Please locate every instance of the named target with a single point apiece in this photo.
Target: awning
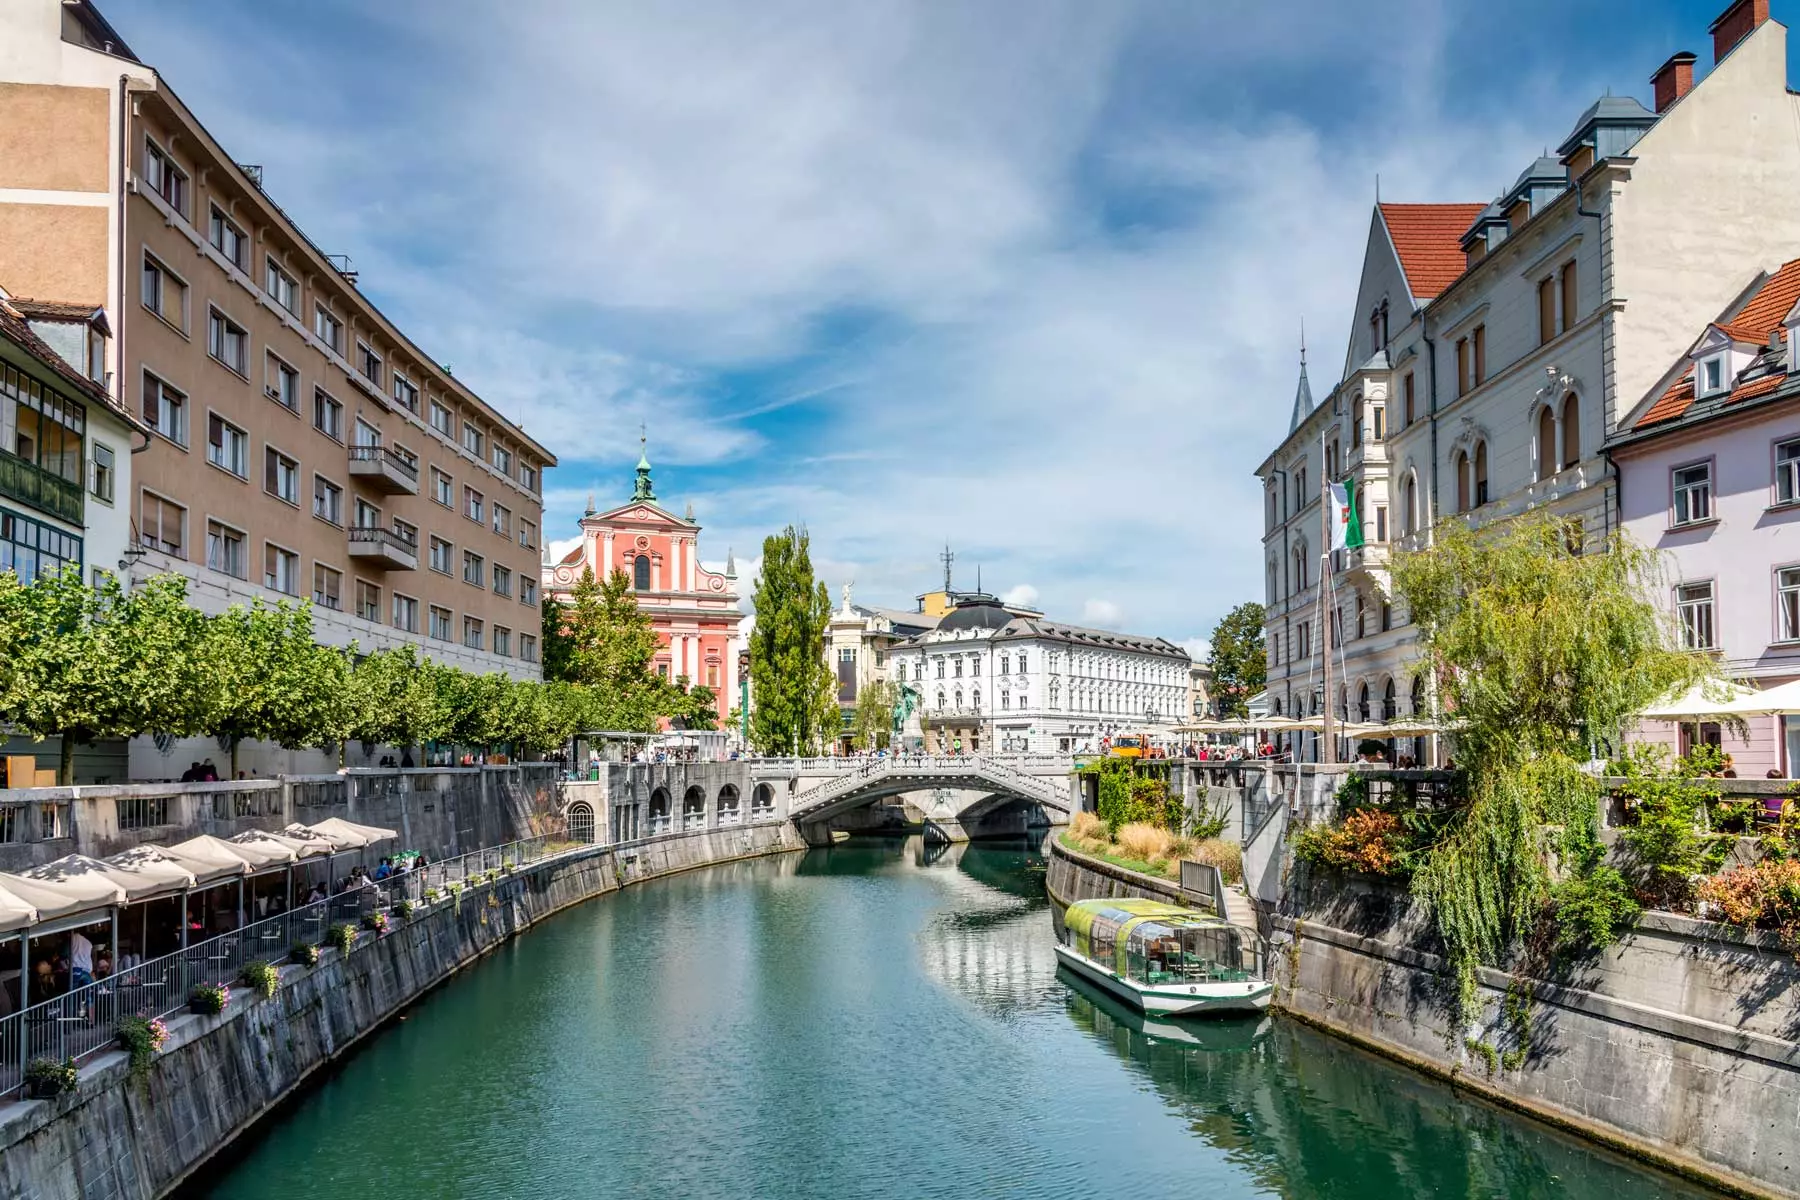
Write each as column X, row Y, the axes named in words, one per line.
column 71, row 884
column 208, row 859
column 15, row 911
column 299, row 847
column 261, row 854
column 145, row 873
column 349, row 834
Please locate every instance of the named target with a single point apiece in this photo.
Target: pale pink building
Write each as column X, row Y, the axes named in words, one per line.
column 1709, row 473
column 695, row 610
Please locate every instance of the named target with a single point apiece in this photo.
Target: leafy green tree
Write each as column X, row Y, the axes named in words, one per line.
column 1240, row 664
column 696, row 707
column 607, row 643
column 873, row 725
column 1539, row 654
column 99, row 662
column 270, row 681
column 558, row 651
column 796, row 694
column 395, row 699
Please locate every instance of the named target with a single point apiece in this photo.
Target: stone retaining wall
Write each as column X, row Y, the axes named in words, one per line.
column 218, row 1075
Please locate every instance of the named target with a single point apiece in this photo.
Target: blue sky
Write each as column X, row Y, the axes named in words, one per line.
column 1023, row 276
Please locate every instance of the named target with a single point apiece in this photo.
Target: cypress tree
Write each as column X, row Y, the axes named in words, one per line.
column 795, row 694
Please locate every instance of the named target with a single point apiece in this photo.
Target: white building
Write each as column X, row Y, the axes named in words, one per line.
column 857, row 643
column 988, row 680
column 1495, row 347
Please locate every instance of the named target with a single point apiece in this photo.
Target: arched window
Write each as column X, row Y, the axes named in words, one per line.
column 640, row 573
column 940, row 702
column 1571, row 431
column 1389, row 707
column 728, row 805
column 1410, row 510
column 1462, row 481
column 1362, row 702
column 1546, row 439
column 959, row 698
column 693, row 808
column 1481, row 478
column 975, row 699
column 762, row 800
column 581, row 821
column 659, row 811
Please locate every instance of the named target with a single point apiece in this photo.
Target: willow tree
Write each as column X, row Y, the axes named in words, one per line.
column 1540, row 653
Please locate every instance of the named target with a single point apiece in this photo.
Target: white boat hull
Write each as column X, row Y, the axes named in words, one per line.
column 1250, row 995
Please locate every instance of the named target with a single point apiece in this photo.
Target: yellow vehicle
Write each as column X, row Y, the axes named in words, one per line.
column 1130, row 745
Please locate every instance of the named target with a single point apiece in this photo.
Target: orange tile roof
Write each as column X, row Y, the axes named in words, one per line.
column 1428, row 238
column 1760, row 316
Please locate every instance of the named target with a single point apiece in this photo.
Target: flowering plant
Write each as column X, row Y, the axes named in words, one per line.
column 262, row 976
column 304, row 953
column 378, row 921
column 405, row 909
column 343, row 936
column 209, row 998
column 143, row 1037
column 45, row 1077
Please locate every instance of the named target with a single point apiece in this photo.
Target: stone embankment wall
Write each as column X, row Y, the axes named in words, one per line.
column 218, row 1075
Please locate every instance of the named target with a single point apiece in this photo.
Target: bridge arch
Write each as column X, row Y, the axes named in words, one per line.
column 762, row 801
column 693, row 808
column 581, row 821
column 659, row 811
column 729, row 813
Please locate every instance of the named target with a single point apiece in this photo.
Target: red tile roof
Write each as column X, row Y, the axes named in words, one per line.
column 1428, row 238
column 1760, row 316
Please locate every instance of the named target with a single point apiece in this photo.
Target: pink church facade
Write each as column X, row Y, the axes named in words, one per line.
column 694, row 610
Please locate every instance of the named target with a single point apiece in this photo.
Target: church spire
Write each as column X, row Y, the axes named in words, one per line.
column 642, row 490
column 1303, row 398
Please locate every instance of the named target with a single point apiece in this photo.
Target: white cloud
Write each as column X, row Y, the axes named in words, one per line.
column 1023, row 596
column 1198, row 648
column 561, row 548
column 1103, row 613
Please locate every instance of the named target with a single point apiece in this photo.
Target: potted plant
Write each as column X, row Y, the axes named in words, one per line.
column 405, row 908
column 378, row 921
column 46, row 1079
column 263, row 976
column 304, row 953
column 432, row 895
column 209, row 999
column 142, row 1037
column 342, row 935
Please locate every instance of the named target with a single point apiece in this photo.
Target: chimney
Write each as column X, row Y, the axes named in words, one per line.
column 1735, row 24
column 1673, row 80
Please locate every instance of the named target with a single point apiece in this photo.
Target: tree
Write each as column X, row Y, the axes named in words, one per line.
column 695, row 707
column 1240, row 664
column 270, row 681
column 873, row 725
column 395, row 699
column 99, row 662
column 796, row 693
column 606, row 643
column 1539, row 653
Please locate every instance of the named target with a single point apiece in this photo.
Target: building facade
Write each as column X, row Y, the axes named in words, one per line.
column 857, row 644
column 1708, row 468
column 992, row 682
column 1494, row 347
column 694, row 610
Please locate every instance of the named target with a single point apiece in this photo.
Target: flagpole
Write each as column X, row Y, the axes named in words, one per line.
column 1327, row 744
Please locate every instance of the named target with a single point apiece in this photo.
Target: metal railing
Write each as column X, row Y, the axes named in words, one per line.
column 387, row 457
column 85, row 1020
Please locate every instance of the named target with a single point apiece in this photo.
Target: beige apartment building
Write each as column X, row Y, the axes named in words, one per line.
column 304, row 447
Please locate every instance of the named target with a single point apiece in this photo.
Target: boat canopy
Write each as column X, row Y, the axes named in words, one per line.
column 1153, row 942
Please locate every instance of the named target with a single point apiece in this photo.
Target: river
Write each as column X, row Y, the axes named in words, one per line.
column 875, row 1020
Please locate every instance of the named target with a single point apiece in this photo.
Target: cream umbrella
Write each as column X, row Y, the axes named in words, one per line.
column 16, row 912
column 339, row 839
column 301, row 847
column 1701, row 700
column 53, row 901
column 208, row 859
column 145, row 872
column 82, row 878
column 334, row 827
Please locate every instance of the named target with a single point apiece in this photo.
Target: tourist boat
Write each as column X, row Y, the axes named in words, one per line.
column 1107, row 1014
column 1161, row 958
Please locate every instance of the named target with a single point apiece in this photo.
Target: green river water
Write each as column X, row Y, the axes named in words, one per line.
column 868, row 1021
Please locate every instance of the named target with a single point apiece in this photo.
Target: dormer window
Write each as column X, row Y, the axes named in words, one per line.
column 1710, row 379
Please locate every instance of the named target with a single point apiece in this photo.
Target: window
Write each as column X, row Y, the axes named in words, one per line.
column 164, row 293
column 472, row 568
column 1711, row 379
column 228, row 239
column 1381, row 523
column 368, row 600
column 527, row 534
column 281, row 569
column 227, row 446
column 472, row 635
column 328, row 500
column 367, row 515
column 328, row 329
column 162, row 525
column 1694, row 609
column 1378, row 422
column 1546, row 443
column 283, row 289
column 165, row 409
column 1546, row 299
column 502, row 581
column 227, row 341
column 225, row 550
column 328, row 415
column 1571, row 431
column 502, row 462
column 1407, row 412
column 405, row 394
column 1462, row 365
column 527, row 590
column 471, row 439
column 441, row 488
column 407, row 532
column 1787, row 603
column 406, row 613
column 472, row 503
column 1567, row 277
column 1409, row 510
column 1478, row 354
column 528, row 478
column 328, row 587
column 1481, row 474
column 528, row 648
column 164, row 178
column 1787, row 472
column 440, row 623
column 1693, row 493
column 369, row 363
column 502, row 640
column 281, row 382
column 364, row 434
column 281, row 476
column 440, row 418
column 102, row 473
column 440, row 555
column 1356, row 429
column 502, row 521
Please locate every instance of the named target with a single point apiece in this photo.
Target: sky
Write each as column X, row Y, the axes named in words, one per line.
column 1026, row 278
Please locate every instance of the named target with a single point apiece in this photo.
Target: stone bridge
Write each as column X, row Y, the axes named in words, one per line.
column 954, row 796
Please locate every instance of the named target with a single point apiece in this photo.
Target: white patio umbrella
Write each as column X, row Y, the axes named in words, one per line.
column 146, row 872
column 1701, row 700
column 207, row 857
column 16, row 912
column 337, row 827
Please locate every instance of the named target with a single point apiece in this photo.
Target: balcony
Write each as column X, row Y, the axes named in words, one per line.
column 384, row 470
column 383, row 549
column 31, row 484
